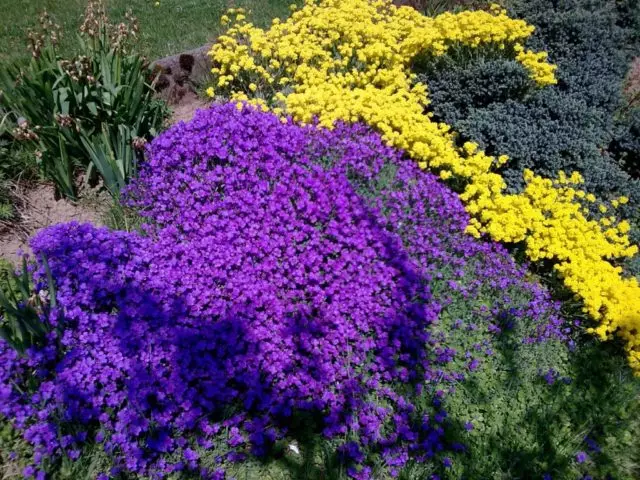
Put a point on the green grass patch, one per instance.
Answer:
(171, 27)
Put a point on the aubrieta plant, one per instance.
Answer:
(284, 271)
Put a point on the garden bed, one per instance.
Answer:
(393, 242)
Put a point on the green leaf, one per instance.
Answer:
(92, 108)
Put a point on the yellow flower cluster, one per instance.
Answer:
(351, 60)
(536, 63)
(551, 219)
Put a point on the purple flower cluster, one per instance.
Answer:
(283, 270)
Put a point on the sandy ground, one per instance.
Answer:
(184, 111)
(38, 209)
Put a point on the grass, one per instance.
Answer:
(171, 27)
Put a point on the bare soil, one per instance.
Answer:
(38, 208)
(184, 110)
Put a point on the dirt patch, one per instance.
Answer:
(37, 208)
(184, 110)
(632, 84)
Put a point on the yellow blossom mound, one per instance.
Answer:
(351, 60)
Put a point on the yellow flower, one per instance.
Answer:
(350, 60)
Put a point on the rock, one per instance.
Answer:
(181, 73)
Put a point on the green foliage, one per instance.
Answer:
(7, 210)
(7, 277)
(626, 144)
(21, 325)
(121, 217)
(15, 453)
(16, 163)
(171, 27)
(64, 109)
(113, 156)
(526, 426)
(569, 126)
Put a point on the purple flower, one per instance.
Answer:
(29, 471)
(190, 455)
(351, 452)
(592, 444)
(218, 475)
(235, 437)
(362, 473)
(581, 457)
(268, 280)
(474, 364)
(550, 376)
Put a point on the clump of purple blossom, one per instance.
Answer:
(282, 270)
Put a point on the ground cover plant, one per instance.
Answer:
(322, 64)
(237, 313)
(325, 307)
(574, 125)
(317, 292)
